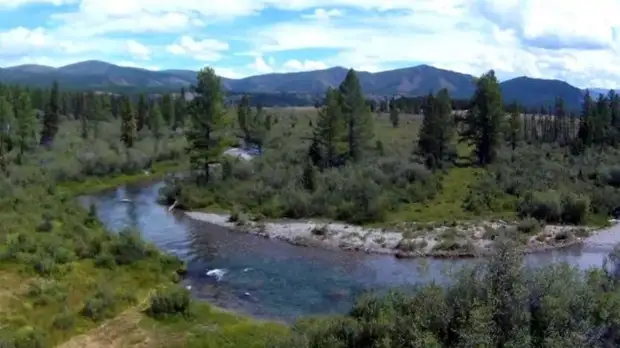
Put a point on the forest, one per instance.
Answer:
(341, 161)
(63, 274)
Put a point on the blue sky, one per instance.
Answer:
(572, 40)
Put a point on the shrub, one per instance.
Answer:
(100, 306)
(170, 301)
(545, 206)
(575, 208)
(128, 247)
(529, 226)
(64, 321)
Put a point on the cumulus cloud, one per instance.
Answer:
(296, 65)
(574, 40)
(138, 50)
(205, 50)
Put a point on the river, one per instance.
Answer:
(272, 279)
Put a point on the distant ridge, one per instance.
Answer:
(412, 81)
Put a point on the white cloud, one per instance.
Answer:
(17, 3)
(20, 40)
(138, 50)
(204, 50)
(296, 65)
(575, 40)
(231, 73)
(260, 66)
(322, 14)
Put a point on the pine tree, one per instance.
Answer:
(167, 110)
(513, 130)
(330, 131)
(244, 113)
(179, 111)
(8, 128)
(602, 122)
(128, 123)
(445, 131)
(253, 124)
(157, 123)
(585, 134)
(26, 119)
(394, 115)
(141, 115)
(52, 116)
(359, 119)
(614, 111)
(484, 119)
(427, 139)
(437, 129)
(207, 118)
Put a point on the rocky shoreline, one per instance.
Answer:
(451, 240)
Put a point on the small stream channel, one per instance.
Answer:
(272, 279)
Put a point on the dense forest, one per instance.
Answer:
(62, 274)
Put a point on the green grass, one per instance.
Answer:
(208, 326)
(54, 314)
(447, 205)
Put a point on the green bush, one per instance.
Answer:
(529, 226)
(544, 206)
(64, 321)
(169, 302)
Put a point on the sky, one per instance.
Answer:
(573, 40)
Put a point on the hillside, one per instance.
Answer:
(413, 81)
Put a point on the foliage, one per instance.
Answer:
(496, 304)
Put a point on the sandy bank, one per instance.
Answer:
(409, 240)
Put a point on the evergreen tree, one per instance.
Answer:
(445, 131)
(167, 110)
(484, 119)
(128, 123)
(51, 116)
(207, 118)
(26, 119)
(253, 124)
(179, 111)
(394, 115)
(244, 113)
(8, 128)
(585, 134)
(309, 176)
(93, 113)
(427, 137)
(330, 131)
(359, 119)
(614, 113)
(513, 131)
(158, 125)
(437, 129)
(142, 112)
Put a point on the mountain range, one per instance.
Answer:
(413, 81)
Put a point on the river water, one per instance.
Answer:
(272, 279)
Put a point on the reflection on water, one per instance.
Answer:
(273, 279)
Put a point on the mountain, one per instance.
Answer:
(595, 92)
(532, 92)
(413, 81)
(93, 74)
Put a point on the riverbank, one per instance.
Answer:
(408, 240)
(65, 278)
(95, 184)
